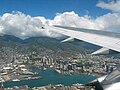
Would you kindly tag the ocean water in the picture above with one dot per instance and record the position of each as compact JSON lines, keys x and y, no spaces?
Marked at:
{"x":52,"y":77}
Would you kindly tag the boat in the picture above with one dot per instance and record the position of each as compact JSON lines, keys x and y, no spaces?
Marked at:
{"x":15,"y":80}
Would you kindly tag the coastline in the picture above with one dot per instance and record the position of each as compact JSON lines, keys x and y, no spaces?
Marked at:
{"x":51,"y":77}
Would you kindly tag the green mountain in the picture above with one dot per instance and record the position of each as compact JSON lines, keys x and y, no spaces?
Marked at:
{"x":34,"y":44}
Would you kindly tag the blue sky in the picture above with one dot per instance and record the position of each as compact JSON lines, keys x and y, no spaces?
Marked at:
{"x":49,"y":8}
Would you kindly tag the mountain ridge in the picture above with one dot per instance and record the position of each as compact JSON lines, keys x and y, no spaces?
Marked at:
{"x":44,"y":42}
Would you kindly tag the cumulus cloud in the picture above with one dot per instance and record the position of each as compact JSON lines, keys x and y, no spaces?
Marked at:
{"x":109,"y":22}
{"x":114,"y":5}
{"x":74,"y":20}
{"x":24,"y":26}
{"x":20,"y":25}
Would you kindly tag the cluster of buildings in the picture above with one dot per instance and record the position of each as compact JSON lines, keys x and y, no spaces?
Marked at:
{"x":50,"y":87}
{"x":62,"y":87}
{"x":14,"y":72}
{"x":87,"y":64}
{"x":14,"y":63}
{"x":15,"y":88}
{"x":11,"y":60}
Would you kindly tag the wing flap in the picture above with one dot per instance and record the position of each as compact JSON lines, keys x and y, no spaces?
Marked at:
{"x":68,"y":39}
{"x":101,"y":51}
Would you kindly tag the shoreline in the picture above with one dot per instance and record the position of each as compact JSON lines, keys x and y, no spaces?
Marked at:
{"x":65,"y":80}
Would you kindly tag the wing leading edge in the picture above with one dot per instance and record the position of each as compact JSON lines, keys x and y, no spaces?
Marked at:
{"x":107,"y":40}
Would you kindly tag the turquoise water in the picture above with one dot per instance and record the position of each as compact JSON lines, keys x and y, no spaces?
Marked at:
{"x":52,"y":77}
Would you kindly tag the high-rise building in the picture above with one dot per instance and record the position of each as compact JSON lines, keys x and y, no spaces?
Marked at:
{"x":1,"y":86}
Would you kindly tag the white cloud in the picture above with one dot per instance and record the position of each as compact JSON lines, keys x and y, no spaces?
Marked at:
{"x":22,"y":25}
{"x":73,"y":19}
{"x":110,"y":21}
{"x":19,"y":24}
{"x":113,"y":5}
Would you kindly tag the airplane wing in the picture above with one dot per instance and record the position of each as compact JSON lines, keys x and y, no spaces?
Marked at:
{"x":107,"y":40}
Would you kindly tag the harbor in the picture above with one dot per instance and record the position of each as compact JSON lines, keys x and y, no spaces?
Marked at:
{"x":50,"y":77}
